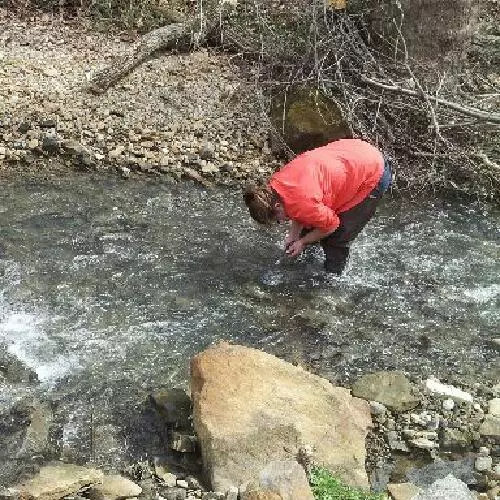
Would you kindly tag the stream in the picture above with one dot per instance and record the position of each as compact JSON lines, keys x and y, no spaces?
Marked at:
{"x":108,"y":287}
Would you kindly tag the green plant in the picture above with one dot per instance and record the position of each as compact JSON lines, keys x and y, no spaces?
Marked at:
{"x":327,"y":487}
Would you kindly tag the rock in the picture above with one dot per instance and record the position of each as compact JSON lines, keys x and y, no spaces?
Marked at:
{"x":392,"y":389}
{"x":115,"y":487}
{"x":174,"y":494}
{"x":287,"y":478}
{"x":50,"y":143}
{"x":448,"y":488}
{"x":426,"y":475}
{"x":484,"y":451}
{"x":181,"y":483}
{"x":307,"y":119}
{"x":455,"y":439}
{"x":434,"y":386}
{"x":402,"y":491}
{"x":36,"y":438}
{"x":448,"y":404}
{"x":232,"y":493}
{"x":124,"y":171}
{"x":251,"y":408}
{"x":261,"y":495}
{"x":495,"y":472}
{"x":490,"y":427}
{"x":494,"y":407}
{"x":169,"y":479}
{"x":395,"y":443}
{"x":424,"y":443}
{"x":56,"y":481}
{"x":184,"y":443}
{"x":483,"y":464}
{"x":377,"y":409}
{"x":14,"y":371}
{"x":49,"y":123}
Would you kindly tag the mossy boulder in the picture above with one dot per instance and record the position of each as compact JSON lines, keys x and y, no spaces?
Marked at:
{"x":306,"y":119}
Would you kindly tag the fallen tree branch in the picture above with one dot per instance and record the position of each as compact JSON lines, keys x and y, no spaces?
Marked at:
{"x":476,"y":113}
{"x":165,"y":37}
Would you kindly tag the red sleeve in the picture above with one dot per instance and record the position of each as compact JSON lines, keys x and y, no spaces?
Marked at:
{"x":316,"y":215}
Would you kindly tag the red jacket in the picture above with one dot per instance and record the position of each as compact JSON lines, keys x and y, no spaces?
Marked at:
{"x":319,"y":184}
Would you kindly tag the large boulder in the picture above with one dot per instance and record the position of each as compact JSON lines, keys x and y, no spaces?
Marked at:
{"x":251,"y":408}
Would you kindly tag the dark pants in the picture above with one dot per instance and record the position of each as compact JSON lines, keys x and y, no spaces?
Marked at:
{"x":352,"y":221}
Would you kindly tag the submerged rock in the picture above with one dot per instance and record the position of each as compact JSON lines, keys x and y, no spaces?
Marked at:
{"x":392,"y":389}
{"x":174,"y":405}
{"x":251,"y":408}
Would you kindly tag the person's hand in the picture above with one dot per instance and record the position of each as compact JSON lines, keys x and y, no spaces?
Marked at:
{"x":295,"y":248}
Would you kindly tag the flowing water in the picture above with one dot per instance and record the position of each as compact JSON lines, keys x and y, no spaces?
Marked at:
{"x":108,"y":287}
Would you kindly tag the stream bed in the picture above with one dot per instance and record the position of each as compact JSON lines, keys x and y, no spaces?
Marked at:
{"x":108,"y":287}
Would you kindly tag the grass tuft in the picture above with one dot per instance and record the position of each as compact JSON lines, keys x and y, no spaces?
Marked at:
{"x":327,"y":487}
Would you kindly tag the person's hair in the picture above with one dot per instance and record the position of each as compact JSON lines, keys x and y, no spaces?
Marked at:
{"x":260,"y":201}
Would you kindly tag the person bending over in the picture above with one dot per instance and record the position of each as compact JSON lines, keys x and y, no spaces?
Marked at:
{"x":329,"y":194}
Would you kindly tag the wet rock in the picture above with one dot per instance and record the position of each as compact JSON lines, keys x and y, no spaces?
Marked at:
{"x":435,"y":387}
{"x":49,"y":123}
{"x":251,"y":407}
{"x":56,"y":481}
{"x":402,"y":491}
{"x":183,"y":443}
{"x":392,"y":389}
{"x":36,"y":438}
{"x":115,"y":487}
{"x":287,"y":478}
{"x":174,"y":406}
{"x":447,"y":488}
{"x":14,"y":371}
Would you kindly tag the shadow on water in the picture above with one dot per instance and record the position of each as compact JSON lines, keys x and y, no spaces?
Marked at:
{"x":107,"y":288}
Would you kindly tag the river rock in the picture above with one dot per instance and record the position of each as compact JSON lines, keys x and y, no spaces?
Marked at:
{"x":36,"y":438}
{"x":251,"y":408}
{"x":15,"y":371}
{"x":287,"y":478}
{"x":392,"y":389}
{"x":494,"y":407}
{"x":115,"y":487}
{"x":424,"y":476}
{"x":483,"y":464}
{"x":448,"y":488}
{"x":490,"y":427}
{"x":402,"y":491}
{"x":56,"y":481}
{"x":434,"y":386}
